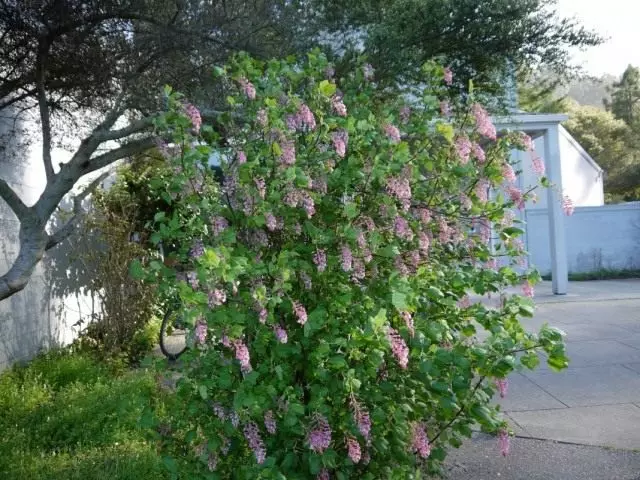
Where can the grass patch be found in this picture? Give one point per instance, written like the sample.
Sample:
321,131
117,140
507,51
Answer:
602,274
67,416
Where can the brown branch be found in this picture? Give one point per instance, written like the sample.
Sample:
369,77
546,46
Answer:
43,105
15,204
69,227
128,149
134,127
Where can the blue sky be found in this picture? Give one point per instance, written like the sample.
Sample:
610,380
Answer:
617,19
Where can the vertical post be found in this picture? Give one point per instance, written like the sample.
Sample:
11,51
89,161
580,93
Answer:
557,237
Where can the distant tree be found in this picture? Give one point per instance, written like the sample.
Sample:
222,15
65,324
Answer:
625,97
610,141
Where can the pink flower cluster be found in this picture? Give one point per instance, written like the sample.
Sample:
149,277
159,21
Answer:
483,123
402,229
478,152
261,186
516,196
502,385
347,258
448,76
252,435
242,355
400,188
405,114
537,165
241,157
270,221
281,334
408,321
363,421
503,442
398,347
248,88
340,141
527,289
288,155
270,422
424,242
567,205
463,148
508,173
320,259
353,449
420,441
392,132
262,118
194,116
300,312
200,332
482,190
339,107
217,297
323,475
303,119
319,437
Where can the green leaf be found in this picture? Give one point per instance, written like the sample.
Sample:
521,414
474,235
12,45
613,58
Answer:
350,210
446,131
399,300
159,216
378,322
326,88
136,271
202,390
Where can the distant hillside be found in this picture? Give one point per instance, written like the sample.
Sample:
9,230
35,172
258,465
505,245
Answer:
588,90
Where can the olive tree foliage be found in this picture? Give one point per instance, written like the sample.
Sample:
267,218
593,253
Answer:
326,282
93,70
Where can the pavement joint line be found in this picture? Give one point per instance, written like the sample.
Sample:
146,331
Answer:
567,442
630,369
626,344
548,393
574,406
539,371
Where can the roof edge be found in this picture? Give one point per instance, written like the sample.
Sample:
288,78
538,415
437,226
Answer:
580,149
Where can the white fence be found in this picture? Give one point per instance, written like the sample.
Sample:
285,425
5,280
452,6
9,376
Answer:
597,237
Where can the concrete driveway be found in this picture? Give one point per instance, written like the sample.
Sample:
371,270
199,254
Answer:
596,401
582,423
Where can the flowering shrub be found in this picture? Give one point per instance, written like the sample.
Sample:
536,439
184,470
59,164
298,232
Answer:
327,279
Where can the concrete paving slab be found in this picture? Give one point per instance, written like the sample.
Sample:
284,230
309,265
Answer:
632,340
633,366
600,352
600,385
478,459
523,395
614,426
579,332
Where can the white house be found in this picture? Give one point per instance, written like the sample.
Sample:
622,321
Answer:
596,236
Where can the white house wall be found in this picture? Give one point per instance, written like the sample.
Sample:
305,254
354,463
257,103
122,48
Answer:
597,237
582,180
43,314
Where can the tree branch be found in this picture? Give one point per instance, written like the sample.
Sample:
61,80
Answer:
12,199
128,149
68,228
43,105
134,127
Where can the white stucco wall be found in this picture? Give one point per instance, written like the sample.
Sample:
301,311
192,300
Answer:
43,314
597,237
582,178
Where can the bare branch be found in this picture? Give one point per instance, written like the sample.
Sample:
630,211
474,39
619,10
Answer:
69,227
127,150
134,127
15,204
43,105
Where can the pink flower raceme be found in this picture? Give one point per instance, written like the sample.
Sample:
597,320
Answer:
420,441
217,297
483,122
242,355
502,384
347,259
200,332
478,152
194,116
320,259
448,76
262,118
262,315
464,302
300,312
508,173
567,205
353,449
323,475
503,442
212,462
288,152
308,204
463,149
465,202
252,435
339,107
405,114
319,437
270,221
306,117
363,422
241,157
248,88
392,132
527,289
526,141
197,249
482,190
260,186
398,347
408,321
281,334
340,141
424,243
218,225
516,196
402,229
192,280
400,188
537,165
269,422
